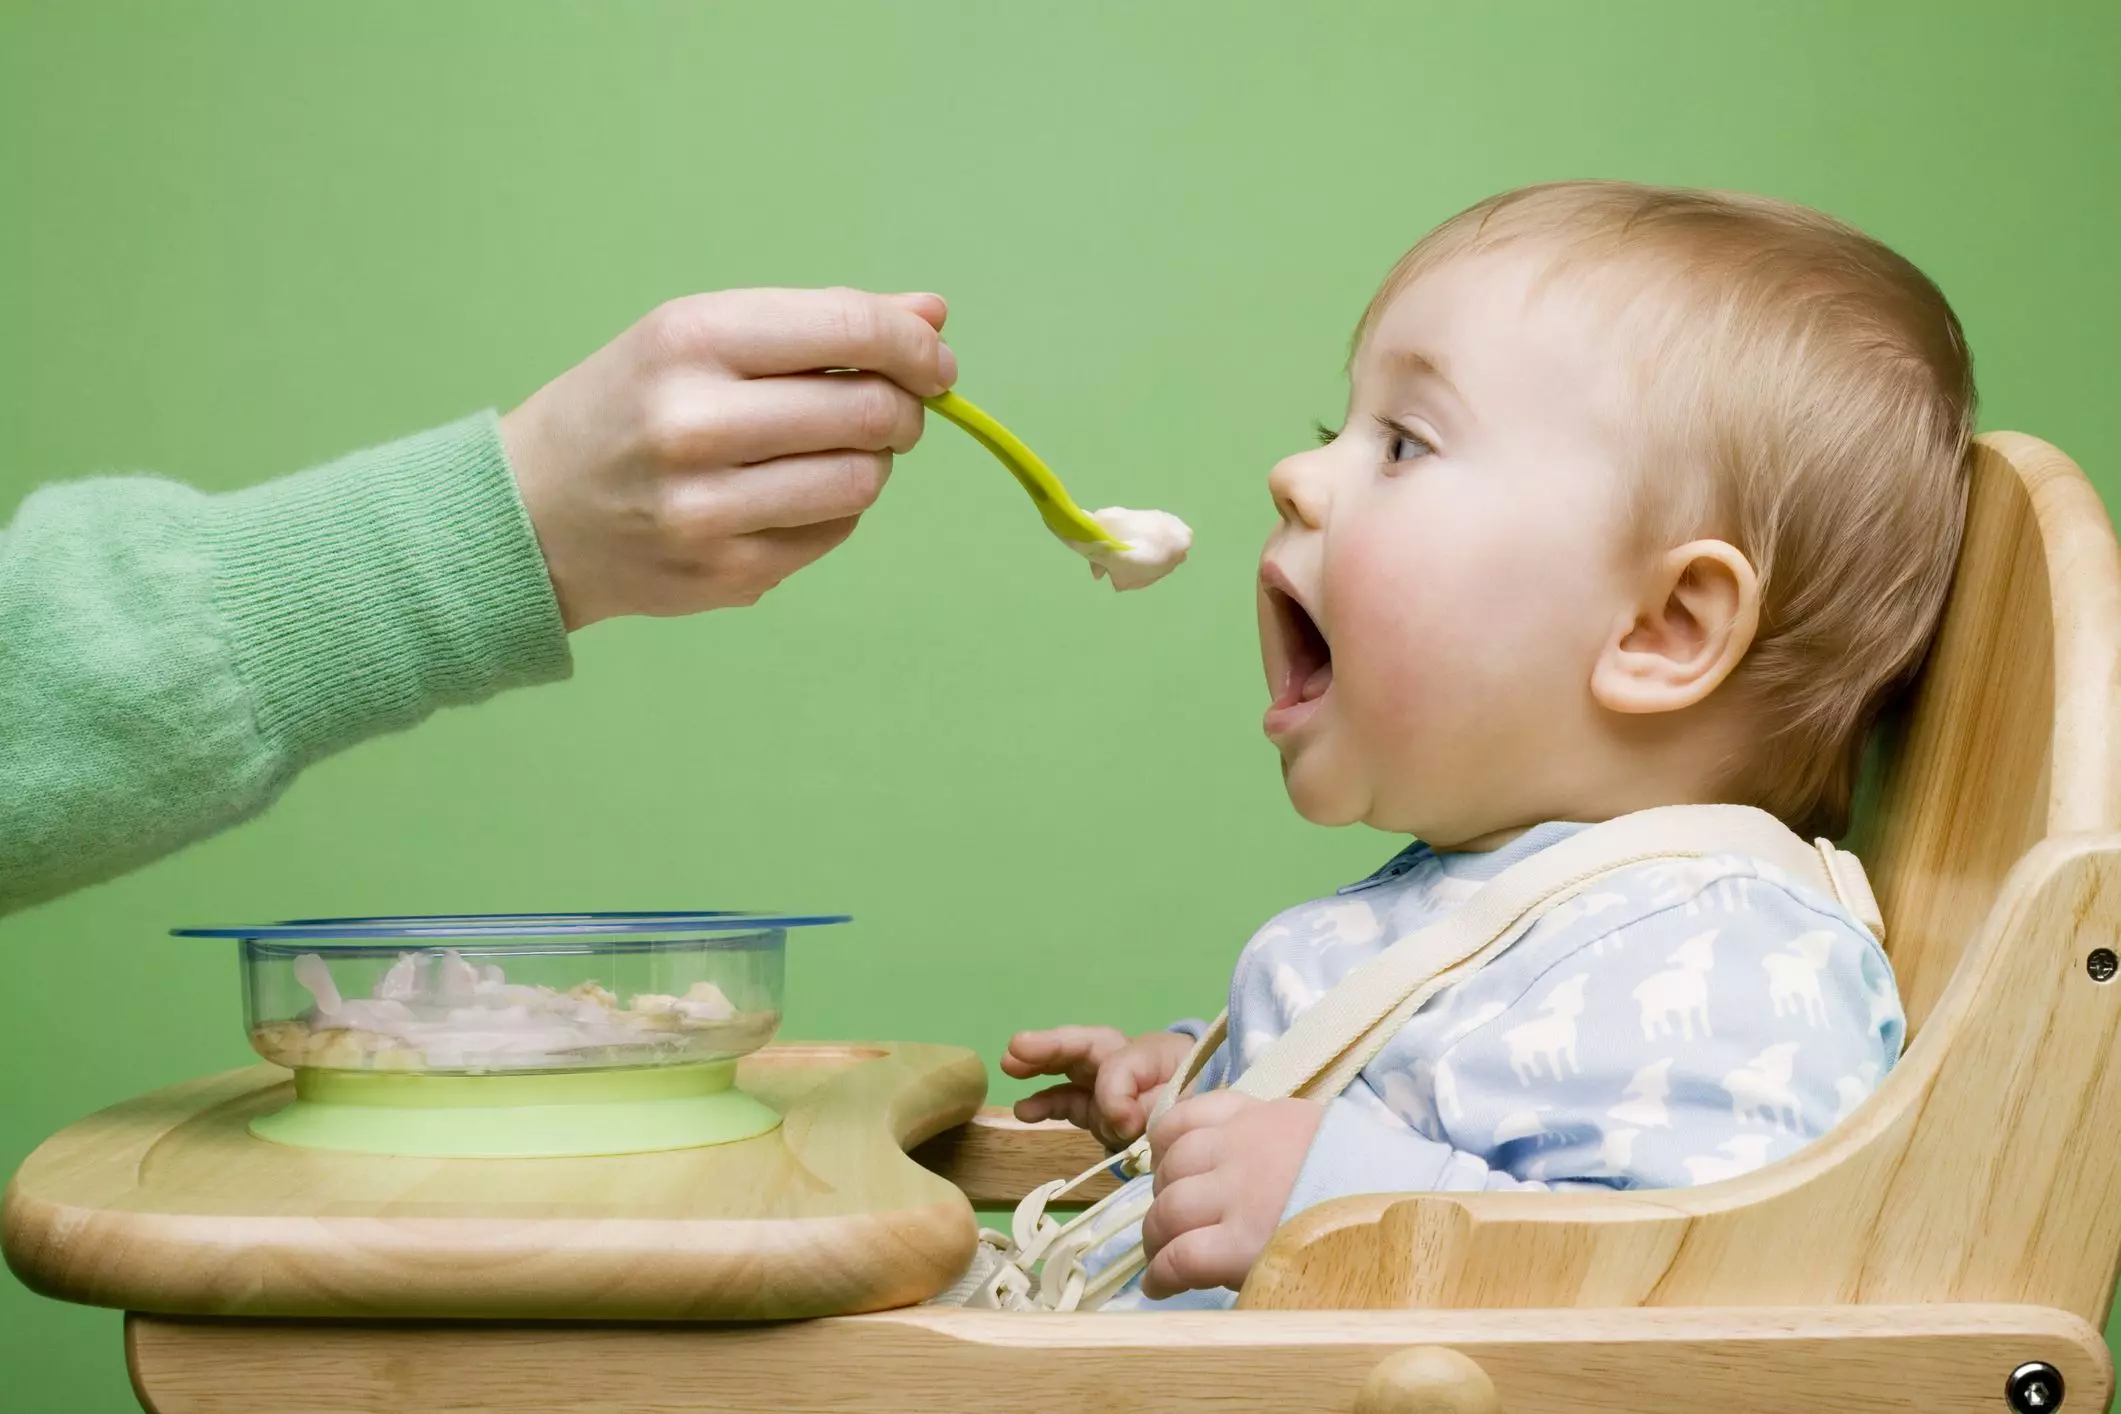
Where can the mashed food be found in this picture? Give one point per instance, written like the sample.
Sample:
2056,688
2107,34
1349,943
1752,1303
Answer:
1155,543
458,1015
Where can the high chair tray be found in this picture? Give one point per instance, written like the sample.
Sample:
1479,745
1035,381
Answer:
168,1204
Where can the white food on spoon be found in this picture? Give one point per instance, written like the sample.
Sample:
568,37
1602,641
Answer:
1152,544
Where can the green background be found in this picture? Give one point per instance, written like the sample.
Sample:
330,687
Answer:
238,239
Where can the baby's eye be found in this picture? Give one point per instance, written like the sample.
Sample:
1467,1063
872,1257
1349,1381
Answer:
1403,444
1326,435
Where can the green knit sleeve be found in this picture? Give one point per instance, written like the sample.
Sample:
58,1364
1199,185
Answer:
169,659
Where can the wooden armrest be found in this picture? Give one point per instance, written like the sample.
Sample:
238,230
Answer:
997,1158
1395,1251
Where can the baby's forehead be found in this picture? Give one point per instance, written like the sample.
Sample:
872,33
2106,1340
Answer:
1514,320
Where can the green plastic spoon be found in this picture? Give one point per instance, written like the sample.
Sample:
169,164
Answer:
1061,515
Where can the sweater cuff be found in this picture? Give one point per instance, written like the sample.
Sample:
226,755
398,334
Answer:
1354,1152
362,595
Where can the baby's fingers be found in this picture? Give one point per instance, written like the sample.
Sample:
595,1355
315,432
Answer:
1200,1112
1069,1102
1179,1209
1193,1260
1073,1051
1126,1087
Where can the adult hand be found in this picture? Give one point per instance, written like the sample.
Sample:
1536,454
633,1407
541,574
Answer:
1225,1166
706,454
1112,1083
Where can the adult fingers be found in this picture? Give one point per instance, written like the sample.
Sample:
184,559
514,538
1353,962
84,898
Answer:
799,545
1074,1051
759,561
708,423
781,494
760,333
931,307
740,570
1204,1257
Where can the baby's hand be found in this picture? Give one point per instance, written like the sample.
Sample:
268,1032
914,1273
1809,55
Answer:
1225,1165
1112,1082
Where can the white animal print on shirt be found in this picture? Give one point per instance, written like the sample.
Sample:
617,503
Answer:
1350,924
1448,890
1852,1090
1550,1041
1793,976
1739,1155
1448,1108
1616,1152
1642,1104
1523,1125
1679,882
1674,1001
1762,1087
1291,992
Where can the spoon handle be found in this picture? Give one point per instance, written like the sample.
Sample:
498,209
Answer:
1061,515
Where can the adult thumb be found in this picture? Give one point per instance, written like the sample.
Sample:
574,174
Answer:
931,307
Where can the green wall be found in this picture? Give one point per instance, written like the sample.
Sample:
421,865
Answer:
236,239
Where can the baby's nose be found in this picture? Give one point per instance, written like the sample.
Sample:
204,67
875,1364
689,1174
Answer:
1298,489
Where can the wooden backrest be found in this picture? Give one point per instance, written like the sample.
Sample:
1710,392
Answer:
2009,737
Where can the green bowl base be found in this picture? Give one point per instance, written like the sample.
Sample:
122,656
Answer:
561,1115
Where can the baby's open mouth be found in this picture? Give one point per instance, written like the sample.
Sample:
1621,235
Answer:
1307,669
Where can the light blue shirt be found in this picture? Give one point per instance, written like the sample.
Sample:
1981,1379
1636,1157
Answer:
1676,1024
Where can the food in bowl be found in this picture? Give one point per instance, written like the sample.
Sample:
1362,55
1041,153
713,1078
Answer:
438,1010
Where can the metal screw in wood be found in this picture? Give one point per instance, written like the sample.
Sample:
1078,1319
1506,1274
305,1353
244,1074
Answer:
2036,1386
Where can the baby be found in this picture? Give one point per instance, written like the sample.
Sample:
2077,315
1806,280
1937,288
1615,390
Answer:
1644,497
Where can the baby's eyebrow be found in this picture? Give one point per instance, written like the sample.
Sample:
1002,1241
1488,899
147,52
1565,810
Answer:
1413,363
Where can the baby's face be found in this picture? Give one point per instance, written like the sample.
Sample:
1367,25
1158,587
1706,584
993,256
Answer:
1447,568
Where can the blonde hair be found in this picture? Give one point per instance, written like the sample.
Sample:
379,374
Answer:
1803,393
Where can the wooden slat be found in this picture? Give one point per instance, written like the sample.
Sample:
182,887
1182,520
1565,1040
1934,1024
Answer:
1878,1360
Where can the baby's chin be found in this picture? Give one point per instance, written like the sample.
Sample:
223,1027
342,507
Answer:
1321,793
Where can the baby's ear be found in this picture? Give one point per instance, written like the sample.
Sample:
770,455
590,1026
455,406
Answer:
1686,633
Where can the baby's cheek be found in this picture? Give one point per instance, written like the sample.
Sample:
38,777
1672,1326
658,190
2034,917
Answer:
1410,631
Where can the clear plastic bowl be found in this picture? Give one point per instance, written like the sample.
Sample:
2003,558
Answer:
514,1035
482,995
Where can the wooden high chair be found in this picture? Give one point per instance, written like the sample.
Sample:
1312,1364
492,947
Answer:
1950,1247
